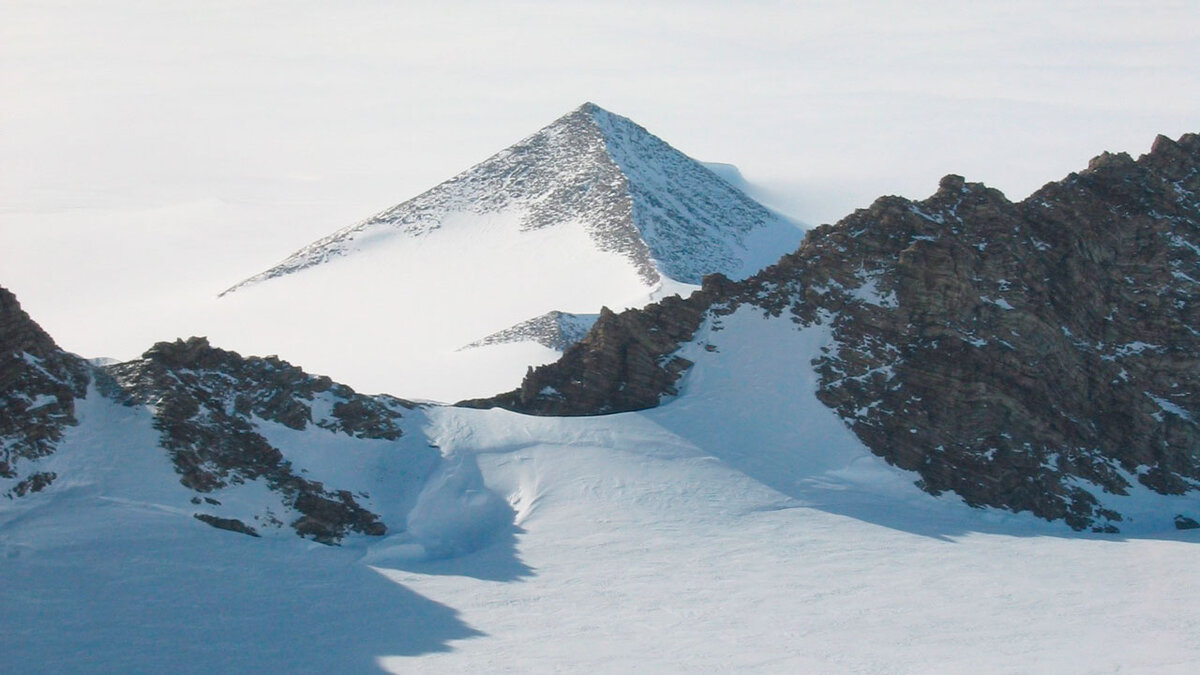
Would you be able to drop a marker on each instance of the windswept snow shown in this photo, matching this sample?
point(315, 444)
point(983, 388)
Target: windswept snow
point(740, 526)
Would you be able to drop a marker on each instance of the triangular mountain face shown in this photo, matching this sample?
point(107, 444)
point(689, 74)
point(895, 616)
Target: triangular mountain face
point(591, 211)
point(633, 194)
point(1035, 356)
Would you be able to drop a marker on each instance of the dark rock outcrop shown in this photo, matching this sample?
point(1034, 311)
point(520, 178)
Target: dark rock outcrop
point(231, 524)
point(39, 384)
point(624, 363)
point(1022, 355)
point(555, 330)
point(207, 404)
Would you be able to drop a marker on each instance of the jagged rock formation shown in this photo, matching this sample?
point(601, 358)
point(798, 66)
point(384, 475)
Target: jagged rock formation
point(39, 383)
point(1029, 356)
point(208, 403)
point(555, 330)
point(209, 407)
point(633, 194)
point(624, 363)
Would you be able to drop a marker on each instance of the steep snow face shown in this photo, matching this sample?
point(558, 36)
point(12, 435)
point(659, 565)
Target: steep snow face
point(591, 211)
point(693, 221)
point(394, 316)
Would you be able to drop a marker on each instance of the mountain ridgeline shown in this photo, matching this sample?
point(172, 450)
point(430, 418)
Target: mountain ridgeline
point(634, 195)
point(222, 423)
point(1039, 355)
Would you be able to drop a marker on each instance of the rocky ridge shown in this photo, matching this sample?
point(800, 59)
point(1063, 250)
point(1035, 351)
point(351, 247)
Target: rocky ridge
point(1030, 356)
point(39, 384)
point(208, 404)
point(212, 409)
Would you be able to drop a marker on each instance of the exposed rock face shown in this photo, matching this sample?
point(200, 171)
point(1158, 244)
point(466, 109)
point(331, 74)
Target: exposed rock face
point(224, 421)
point(1022, 355)
point(624, 363)
point(555, 330)
point(38, 386)
point(207, 404)
point(633, 193)
point(231, 524)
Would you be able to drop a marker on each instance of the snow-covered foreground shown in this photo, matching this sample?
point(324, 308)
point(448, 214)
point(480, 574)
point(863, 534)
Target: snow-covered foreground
point(661, 561)
point(739, 527)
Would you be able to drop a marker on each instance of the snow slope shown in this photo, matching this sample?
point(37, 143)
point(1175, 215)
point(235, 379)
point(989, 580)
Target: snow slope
point(590, 211)
point(740, 526)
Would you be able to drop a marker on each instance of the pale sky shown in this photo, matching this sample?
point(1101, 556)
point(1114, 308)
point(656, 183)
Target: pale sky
point(152, 154)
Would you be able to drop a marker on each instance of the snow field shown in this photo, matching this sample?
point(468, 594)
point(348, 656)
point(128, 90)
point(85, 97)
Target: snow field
point(653, 542)
point(739, 527)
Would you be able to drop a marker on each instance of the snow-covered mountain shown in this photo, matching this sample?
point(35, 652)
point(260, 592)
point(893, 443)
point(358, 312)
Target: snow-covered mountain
point(251, 445)
point(590, 211)
point(1034, 356)
point(680, 538)
point(633, 194)
point(904, 445)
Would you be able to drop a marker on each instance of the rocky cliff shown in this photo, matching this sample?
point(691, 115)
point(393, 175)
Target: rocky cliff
point(39, 384)
point(217, 416)
point(555, 330)
point(209, 405)
point(1031, 356)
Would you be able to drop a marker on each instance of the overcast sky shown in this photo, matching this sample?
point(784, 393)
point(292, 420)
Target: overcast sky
point(153, 153)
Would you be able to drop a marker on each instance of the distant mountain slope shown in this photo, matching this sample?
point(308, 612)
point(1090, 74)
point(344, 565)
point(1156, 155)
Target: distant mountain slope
point(555, 330)
point(631, 192)
point(1036, 356)
point(590, 211)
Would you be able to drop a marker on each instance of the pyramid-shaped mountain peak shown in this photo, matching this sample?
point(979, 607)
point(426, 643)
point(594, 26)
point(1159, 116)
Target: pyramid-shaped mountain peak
point(631, 192)
point(590, 211)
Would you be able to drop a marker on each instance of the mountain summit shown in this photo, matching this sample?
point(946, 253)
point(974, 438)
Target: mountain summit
point(591, 211)
point(632, 193)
